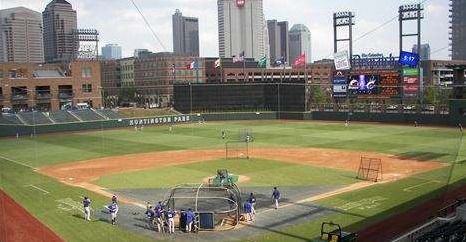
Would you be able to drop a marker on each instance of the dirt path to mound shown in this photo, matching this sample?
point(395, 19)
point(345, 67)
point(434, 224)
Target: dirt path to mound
point(83, 173)
point(16, 224)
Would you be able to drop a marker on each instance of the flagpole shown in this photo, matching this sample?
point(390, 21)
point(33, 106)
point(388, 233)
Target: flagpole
point(197, 70)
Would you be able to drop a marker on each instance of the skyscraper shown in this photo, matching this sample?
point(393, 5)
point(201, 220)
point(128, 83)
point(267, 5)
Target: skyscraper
point(21, 36)
point(242, 27)
point(458, 29)
point(111, 52)
point(300, 42)
point(60, 21)
point(185, 34)
point(278, 40)
point(425, 51)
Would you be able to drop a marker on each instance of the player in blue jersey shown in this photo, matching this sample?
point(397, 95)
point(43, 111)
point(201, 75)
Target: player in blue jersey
point(159, 217)
point(87, 208)
point(247, 210)
point(150, 216)
point(113, 210)
point(189, 220)
point(275, 196)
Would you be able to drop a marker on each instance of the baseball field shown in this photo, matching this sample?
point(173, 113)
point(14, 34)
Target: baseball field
point(314, 164)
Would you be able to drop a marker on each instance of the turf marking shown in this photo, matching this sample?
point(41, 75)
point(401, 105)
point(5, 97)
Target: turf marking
point(38, 188)
point(411, 188)
point(17, 162)
point(68, 204)
point(363, 204)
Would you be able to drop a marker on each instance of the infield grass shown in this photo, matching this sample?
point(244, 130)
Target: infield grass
point(260, 172)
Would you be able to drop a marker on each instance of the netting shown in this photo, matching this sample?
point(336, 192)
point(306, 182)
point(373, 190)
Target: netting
point(221, 203)
point(370, 169)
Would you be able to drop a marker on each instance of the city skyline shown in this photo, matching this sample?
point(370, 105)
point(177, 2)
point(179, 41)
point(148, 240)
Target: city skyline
point(316, 15)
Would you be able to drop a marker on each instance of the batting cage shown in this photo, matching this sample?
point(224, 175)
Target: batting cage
point(237, 150)
point(370, 169)
point(216, 208)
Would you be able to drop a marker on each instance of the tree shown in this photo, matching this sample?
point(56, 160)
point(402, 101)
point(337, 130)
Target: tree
point(432, 96)
point(317, 95)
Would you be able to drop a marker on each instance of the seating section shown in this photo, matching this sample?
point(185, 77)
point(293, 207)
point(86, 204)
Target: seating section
point(110, 114)
point(87, 115)
point(453, 231)
point(9, 119)
point(62, 117)
point(34, 118)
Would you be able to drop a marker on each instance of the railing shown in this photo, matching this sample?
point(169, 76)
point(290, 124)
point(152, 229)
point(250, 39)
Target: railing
point(65, 95)
point(19, 97)
point(43, 96)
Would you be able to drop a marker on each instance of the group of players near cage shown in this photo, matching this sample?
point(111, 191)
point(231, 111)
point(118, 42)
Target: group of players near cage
point(161, 217)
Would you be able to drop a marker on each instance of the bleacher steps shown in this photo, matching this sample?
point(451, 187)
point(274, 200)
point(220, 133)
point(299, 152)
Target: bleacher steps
point(74, 115)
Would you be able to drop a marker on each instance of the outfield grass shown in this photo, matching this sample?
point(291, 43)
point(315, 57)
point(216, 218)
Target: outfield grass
point(425, 143)
point(261, 172)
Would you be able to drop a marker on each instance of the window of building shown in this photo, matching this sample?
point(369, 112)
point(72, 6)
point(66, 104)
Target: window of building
point(86, 72)
point(87, 88)
point(1, 74)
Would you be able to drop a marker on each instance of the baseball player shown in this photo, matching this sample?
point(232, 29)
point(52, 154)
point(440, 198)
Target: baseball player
point(150, 215)
point(275, 196)
point(159, 218)
point(247, 210)
point(87, 208)
point(113, 209)
point(224, 134)
point(252, 200)
point(189, 220)
point(171, 220)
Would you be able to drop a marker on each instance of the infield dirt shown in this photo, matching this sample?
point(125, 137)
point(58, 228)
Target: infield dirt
point(81, 174)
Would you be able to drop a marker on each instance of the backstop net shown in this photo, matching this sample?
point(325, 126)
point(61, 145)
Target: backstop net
point(237, 150)
point(215, 208)
point(370, 169)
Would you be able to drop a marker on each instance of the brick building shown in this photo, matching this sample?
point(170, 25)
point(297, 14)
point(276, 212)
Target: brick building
point(50, 87)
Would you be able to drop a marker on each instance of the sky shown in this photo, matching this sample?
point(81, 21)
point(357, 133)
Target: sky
point(119, 22)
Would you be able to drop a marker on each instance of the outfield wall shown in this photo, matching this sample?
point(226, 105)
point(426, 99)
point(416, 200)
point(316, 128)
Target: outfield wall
point(407, 118)
point(13, 130)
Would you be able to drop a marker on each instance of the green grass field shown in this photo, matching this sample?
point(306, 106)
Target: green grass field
point(425, 143)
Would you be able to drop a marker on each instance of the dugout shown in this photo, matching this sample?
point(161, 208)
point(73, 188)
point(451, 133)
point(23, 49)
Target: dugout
point(216, 208)
point(282, 97)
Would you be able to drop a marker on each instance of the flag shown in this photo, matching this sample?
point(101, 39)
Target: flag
point(193, 65)
point(239, 58)
point(262, 62)
point(300, 60)
point(280, 61)
point(218, 63)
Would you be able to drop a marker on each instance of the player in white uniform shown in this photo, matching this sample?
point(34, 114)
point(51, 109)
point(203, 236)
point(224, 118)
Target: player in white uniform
point(113, 209)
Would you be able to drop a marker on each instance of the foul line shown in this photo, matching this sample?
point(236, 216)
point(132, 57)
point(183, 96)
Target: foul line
point(38, 188)
point(17, 162)
point(409, 189)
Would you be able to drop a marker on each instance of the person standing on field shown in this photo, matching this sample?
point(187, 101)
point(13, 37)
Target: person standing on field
point(171, 220)
point(87, 208)
point(275, 196)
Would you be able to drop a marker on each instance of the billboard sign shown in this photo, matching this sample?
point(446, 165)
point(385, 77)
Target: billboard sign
point(340, 85)
point(410, 86)
point(342, 61)
point(240, 3)
point(410, 72)
point(409, 59)
point(364, 84)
